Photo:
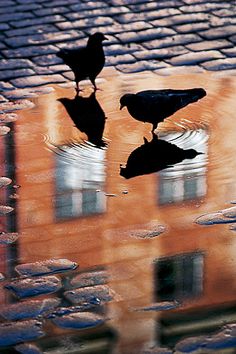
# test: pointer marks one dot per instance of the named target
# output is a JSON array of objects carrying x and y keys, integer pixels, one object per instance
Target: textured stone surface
[{"x": 165, "y": 36}]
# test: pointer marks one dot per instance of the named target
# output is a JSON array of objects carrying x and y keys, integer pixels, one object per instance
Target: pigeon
[
  {"x": 86, "y": 62},
  {"x": 88, "y": 117},
  {"x": 153, "y": 156},
  {"x": 154, "y": 106}
]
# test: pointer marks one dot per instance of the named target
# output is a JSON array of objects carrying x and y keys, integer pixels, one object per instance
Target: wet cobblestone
[{"x": 181, "y": 33}]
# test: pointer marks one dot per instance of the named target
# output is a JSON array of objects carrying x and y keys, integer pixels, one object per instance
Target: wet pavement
[
  {"x": 164, "y": 36},
  {"x": 112, "y": 239},
  {"x": 95, "y": 262}
]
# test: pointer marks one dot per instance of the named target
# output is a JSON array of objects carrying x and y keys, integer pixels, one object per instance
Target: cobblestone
[{"x": 166, "y": 36}]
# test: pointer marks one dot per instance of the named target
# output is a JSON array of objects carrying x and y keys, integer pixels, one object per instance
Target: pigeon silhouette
[
  {"x": 154, "y": 156},
  {"x": 154, "y": 106},
  {"x": 88, "y": 116},
  {"x": 86, "y": 62}
]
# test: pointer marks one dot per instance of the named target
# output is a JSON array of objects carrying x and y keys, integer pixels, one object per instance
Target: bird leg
[
  {"x": 77, "y": 89},
  {"x": 94, "y": 85}
]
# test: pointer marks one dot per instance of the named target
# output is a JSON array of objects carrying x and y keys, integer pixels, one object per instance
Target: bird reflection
[
  {"x": 88, "y": 116},
  {"x": 154, "y": 156}
]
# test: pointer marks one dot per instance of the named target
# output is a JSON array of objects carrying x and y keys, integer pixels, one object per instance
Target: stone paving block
[
  {"x": 5, "y": 86},
  {"x": 146, "y": 35},
  {"x": 19, "y": 8},
  {"x": 11, "y": 64},
  {"x": 164, "y": 53},
  {"x": 7, "y": 3},
  {"x": 31, "y": 30},
  {"x": 180, "y": 70},
  {"x": 15, "y": 16},
  {"x": 208, "y": 45},
  {"x": 173, "y": 41},
  {"x": 32, "y": 81},
  {"x": 206, "y": 7},
  {"x": 118, "y": 28},
  {"x": 225, "y": 12},
  {"x": 52, "y": 69},
  {"x": 233, "y": 39},
  {"x": 156, "y": 5},
  {"x": 195, "y": 58},
  {"x": 120, "y": 59},
  {"x": 215, "y": 21},
  {"x": 220, "y": 64},
  {"x": 192, "y": 27},
  {"x": 229, "y": 52},
  {"x": 103, "y": 12},
  {"x": 55, "y": 3},
  {"x": 11, "y": 74},
  {"x": 141, "y": 66},
  {"x": 47, "y": 60},
  {"x": 44, "y": 38},
  {"x": 4, "y": 26},
  {"x": 29, "y": 52},
  {"x": 218, "y": 32},
  {"x": 50, "y": 11},
  {"x": 85, "y": 23},
  {"x": 90, "y": 5},
  {"x": 37, "y": 21},
  {"x": 146, "y": 16},
  {"x": 181, "y": 19},
  {"x": 118, "y": 49}
]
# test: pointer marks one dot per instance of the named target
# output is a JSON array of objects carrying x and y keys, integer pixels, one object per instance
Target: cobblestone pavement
[{"x": 163, "y": 36}]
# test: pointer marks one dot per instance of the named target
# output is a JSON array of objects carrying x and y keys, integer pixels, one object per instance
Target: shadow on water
[
  {"x": 88, "y": 116},
  {"x": 154, "y": 156}
]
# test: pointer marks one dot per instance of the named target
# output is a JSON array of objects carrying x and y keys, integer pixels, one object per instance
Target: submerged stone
[
  {"x": 32, "y": 287},
  {"x": 5, "y": 181},
  {"x": 8, "y": 117},
  {"x": 79, "y": 320},
  {"x": 159, "y": 306},
  {"x": 28, "y": 349},
  {"x": 81, "y": 280},
  {"x": 17, "y": 332},
  {"x": 93, "y": 295},
  {"x": 190, "y": 345},
  {"x": 16, "y": 105},
  {"x": 28, "y": 309},
  {"x": 4, "y": 130},
  {"x": 229, "y": 212},
  {"x": 49, "y": 266},
  {"x": 4, "y": 209},
  {"x": 62, "y": 311},
  {"x": 7, "y": 238},
  {"x": 214, "y": 218}
]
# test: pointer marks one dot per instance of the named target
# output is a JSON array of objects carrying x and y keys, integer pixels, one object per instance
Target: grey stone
[
  {"x": 46, "y": 60},
  {"x": 5, "y": 86},
  {"x": 15, "y": 16},
  {"x": 8, "y": 64},
  {"x": 117, "y": 49},
  {"x": 31, "y": 30},
  {"x": 90, "y": 5},
  {"x": 181, "y": 19},
  {"x": 85, "y": 23},
  {"x": 101, "y": 12},
  {"x": 146, "y": 16},
  {"x": 233, "y": 39},
  {"x": 37, "y": 21},
  {"x": 220, "y": 32},
  {"x": 140, "y": 66},
  {"x": 32, "y": 81},
  {"x": 117, "y": 28},
  {"x": 50, "y": 11},
  {"x": 192, "y": 27},
  {"x": 156, "y": 5},
  {"x": 173, "y": 41},
  {"x": 229, "y": 52},
  {"x": 11, "y": 74},
  {"x": 19, "y": 8},
  {"x": 195, "y": 58},
  {"x": 206, "y": 7},
  {"x": 4, "y": 26},
  {"x": 146, "y": 35},
  {"x": 160, "y": 53},
  {"x": 28, "y": 52},
  {"x": 208, "y": 45},
  {"x": 220, "y": 64},
  {"x": 120, "y": 59}
]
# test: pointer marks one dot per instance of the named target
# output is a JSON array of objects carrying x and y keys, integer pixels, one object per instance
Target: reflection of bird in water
[
  {"x": 85, "y": 62},
  {"x": 154, "y": 106},
  {"x": 154, "y": 156},
  {"x": 88, "y": 116}
]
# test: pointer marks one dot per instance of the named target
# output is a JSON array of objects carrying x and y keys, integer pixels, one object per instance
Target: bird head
[
  {"x": 97, "y": 37},
  {"x": 126, "y": 99}
]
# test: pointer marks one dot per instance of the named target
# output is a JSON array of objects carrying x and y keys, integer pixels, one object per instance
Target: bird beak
[{"x": 121, "y": 106}]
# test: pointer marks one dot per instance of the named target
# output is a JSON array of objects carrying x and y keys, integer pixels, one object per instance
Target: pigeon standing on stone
[
  {"x": 86, "y": 62},
  {"x": 154, "y": 106}
]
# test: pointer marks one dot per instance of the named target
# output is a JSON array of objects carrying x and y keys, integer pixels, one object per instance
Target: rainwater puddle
[{"x": 113, "y": 240}]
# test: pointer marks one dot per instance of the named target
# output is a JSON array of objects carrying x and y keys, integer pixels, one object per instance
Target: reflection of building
[
  {"x": 80, "y": 175},
  {"x": 186, "y": 180},
  {"x": 191, "y": 263}
]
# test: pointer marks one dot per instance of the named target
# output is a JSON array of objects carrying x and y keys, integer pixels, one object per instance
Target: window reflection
[
  {"x": 80, "y": 173},
  {"x": 186, "y": 180},
  {"x": 179, "y": 277}
]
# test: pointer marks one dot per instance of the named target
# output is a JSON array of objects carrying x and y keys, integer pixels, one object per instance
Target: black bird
[
  {"x": 154, "y": 156},
  {"x": 86, "y": 62},
  {"x": 154, "y": 106},
  {"x": 88, "y": 116}
]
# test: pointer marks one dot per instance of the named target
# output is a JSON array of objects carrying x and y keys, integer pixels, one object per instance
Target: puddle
[{"x": 112, "y": 239}]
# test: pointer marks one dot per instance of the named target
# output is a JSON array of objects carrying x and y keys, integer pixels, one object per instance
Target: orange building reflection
[{"x": 74, "y": 204}]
